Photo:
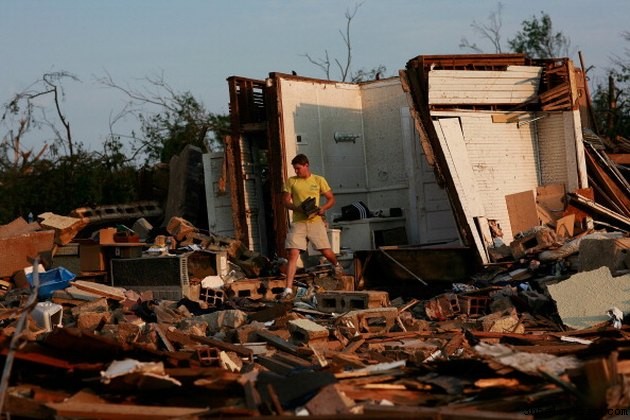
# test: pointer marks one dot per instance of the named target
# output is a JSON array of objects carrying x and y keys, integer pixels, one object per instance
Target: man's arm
[
  {"x": 287, "y": 201},
  {"x": 330, "y": 201}
]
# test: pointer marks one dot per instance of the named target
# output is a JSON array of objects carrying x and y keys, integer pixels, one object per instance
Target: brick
[
  {"x": 443, "y": 307},
  {"x": 91, "y": 320},
  {"x": 344, "y": 301},
  {"x": 207, "y": 355},
  {"x": 211, "y": 296},
  {"x": 474, "y": 306},
  {"x": 306, "y": 331}
]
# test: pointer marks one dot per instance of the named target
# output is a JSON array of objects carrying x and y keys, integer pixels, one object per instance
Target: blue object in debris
[{"x": 54, "y": 279}]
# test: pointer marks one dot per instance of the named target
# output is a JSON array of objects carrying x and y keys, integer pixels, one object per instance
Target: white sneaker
[
  {"x": 287, "y": 294},
  {"x": 338, "y": 270}
]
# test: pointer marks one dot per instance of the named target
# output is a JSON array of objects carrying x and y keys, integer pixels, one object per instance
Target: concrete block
[
  {"x": 584, "y": 298},
  {"x": 378, "y": 320},
  {"x": 230, "y": 319},
  {"x": 250, "y": 288},
  {"x": 604, "y": 252},
  {"x": 247, "y": 333},
  {"x": 535, "y": 241},
  {"x": 306, "y": 331},
  {"x": 344, "y": 301},
  {"x": 273, "y": 287}
]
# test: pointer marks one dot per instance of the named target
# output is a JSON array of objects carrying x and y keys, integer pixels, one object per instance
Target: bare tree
[
  {"x": 490, "y": 32},
  {"x": 25, "y": 111},
  {"x": 325, "y": 62},
  {"x": 179, "y": 119}
]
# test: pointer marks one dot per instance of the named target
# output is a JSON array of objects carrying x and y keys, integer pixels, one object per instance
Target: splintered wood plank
[
  {"x": 119, "y": 411},
  {"x": 110, "y": 292}
]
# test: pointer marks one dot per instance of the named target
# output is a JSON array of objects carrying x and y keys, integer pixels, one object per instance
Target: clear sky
[{"x": 197, "y": 44}]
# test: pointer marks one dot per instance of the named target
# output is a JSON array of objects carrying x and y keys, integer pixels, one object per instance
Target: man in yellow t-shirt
[{"x": 306, "y": 227}]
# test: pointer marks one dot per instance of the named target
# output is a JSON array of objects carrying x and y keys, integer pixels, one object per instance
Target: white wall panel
[{"x": 515, "y": 85}]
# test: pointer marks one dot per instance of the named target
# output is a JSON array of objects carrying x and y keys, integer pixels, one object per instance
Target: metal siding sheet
[
  {"x": 503, "y": 161},
  {"x": 551, "y": 140},
  {"x": 516, "y": 85}
]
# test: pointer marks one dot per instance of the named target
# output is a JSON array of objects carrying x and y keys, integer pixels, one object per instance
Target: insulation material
[{"x": 584, "y": 299}]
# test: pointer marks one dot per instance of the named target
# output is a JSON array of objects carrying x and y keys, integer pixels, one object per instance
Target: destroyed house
[
  {"x": 359, "y": 136},
  {"x": 445, "y": 142}
]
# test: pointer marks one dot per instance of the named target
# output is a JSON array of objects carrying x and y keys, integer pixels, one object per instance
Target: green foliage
[
  {"x": 538, "y": 40},
  {"x": 616, "y": 121},
  {"x": 184, "y": 121},
  {"x": 62, "y": 185}
]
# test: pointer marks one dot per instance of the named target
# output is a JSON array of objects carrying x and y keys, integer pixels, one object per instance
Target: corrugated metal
[
  {"x": 516, "y": 85},
  {"x": 552, "y": 145}
]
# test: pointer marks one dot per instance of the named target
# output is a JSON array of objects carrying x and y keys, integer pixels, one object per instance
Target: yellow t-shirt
[{"x": 303, "y": 188}]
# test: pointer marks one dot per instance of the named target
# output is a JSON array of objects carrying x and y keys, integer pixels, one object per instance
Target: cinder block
[
  {"x": 344, "y": 301},
  {"x": 211, "y": 296},
  {"x": 306, "y": 331},
  {"x": 533, "y": 242},
  {"x": 443, "y": 307},
  {"x": 378, "y": 320},
  {"x": 253, "y": 289},
  {"x": 273, "y": 287}
]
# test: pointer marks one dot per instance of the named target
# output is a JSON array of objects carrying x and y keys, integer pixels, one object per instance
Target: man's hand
[{"x": 309, "y": 208}]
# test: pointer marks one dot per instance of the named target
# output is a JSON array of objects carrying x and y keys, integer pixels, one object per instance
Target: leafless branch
[
  {"x": 490, "y": 31},
  {"x": 144, "y": 96}
]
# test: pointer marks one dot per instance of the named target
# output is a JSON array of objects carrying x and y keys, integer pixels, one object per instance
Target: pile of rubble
[{"x": 531, "y": 338}]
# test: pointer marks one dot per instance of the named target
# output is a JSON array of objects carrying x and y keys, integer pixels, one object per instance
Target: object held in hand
[{"x": 309, "y": 207}]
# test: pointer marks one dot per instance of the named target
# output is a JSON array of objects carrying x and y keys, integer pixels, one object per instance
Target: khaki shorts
[{"x": 314, "y": 232}]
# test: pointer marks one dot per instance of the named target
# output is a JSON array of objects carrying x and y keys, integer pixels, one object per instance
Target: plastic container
[
  {"x": 54, "y": 279},
  {"x": 48, "y": 315}
]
